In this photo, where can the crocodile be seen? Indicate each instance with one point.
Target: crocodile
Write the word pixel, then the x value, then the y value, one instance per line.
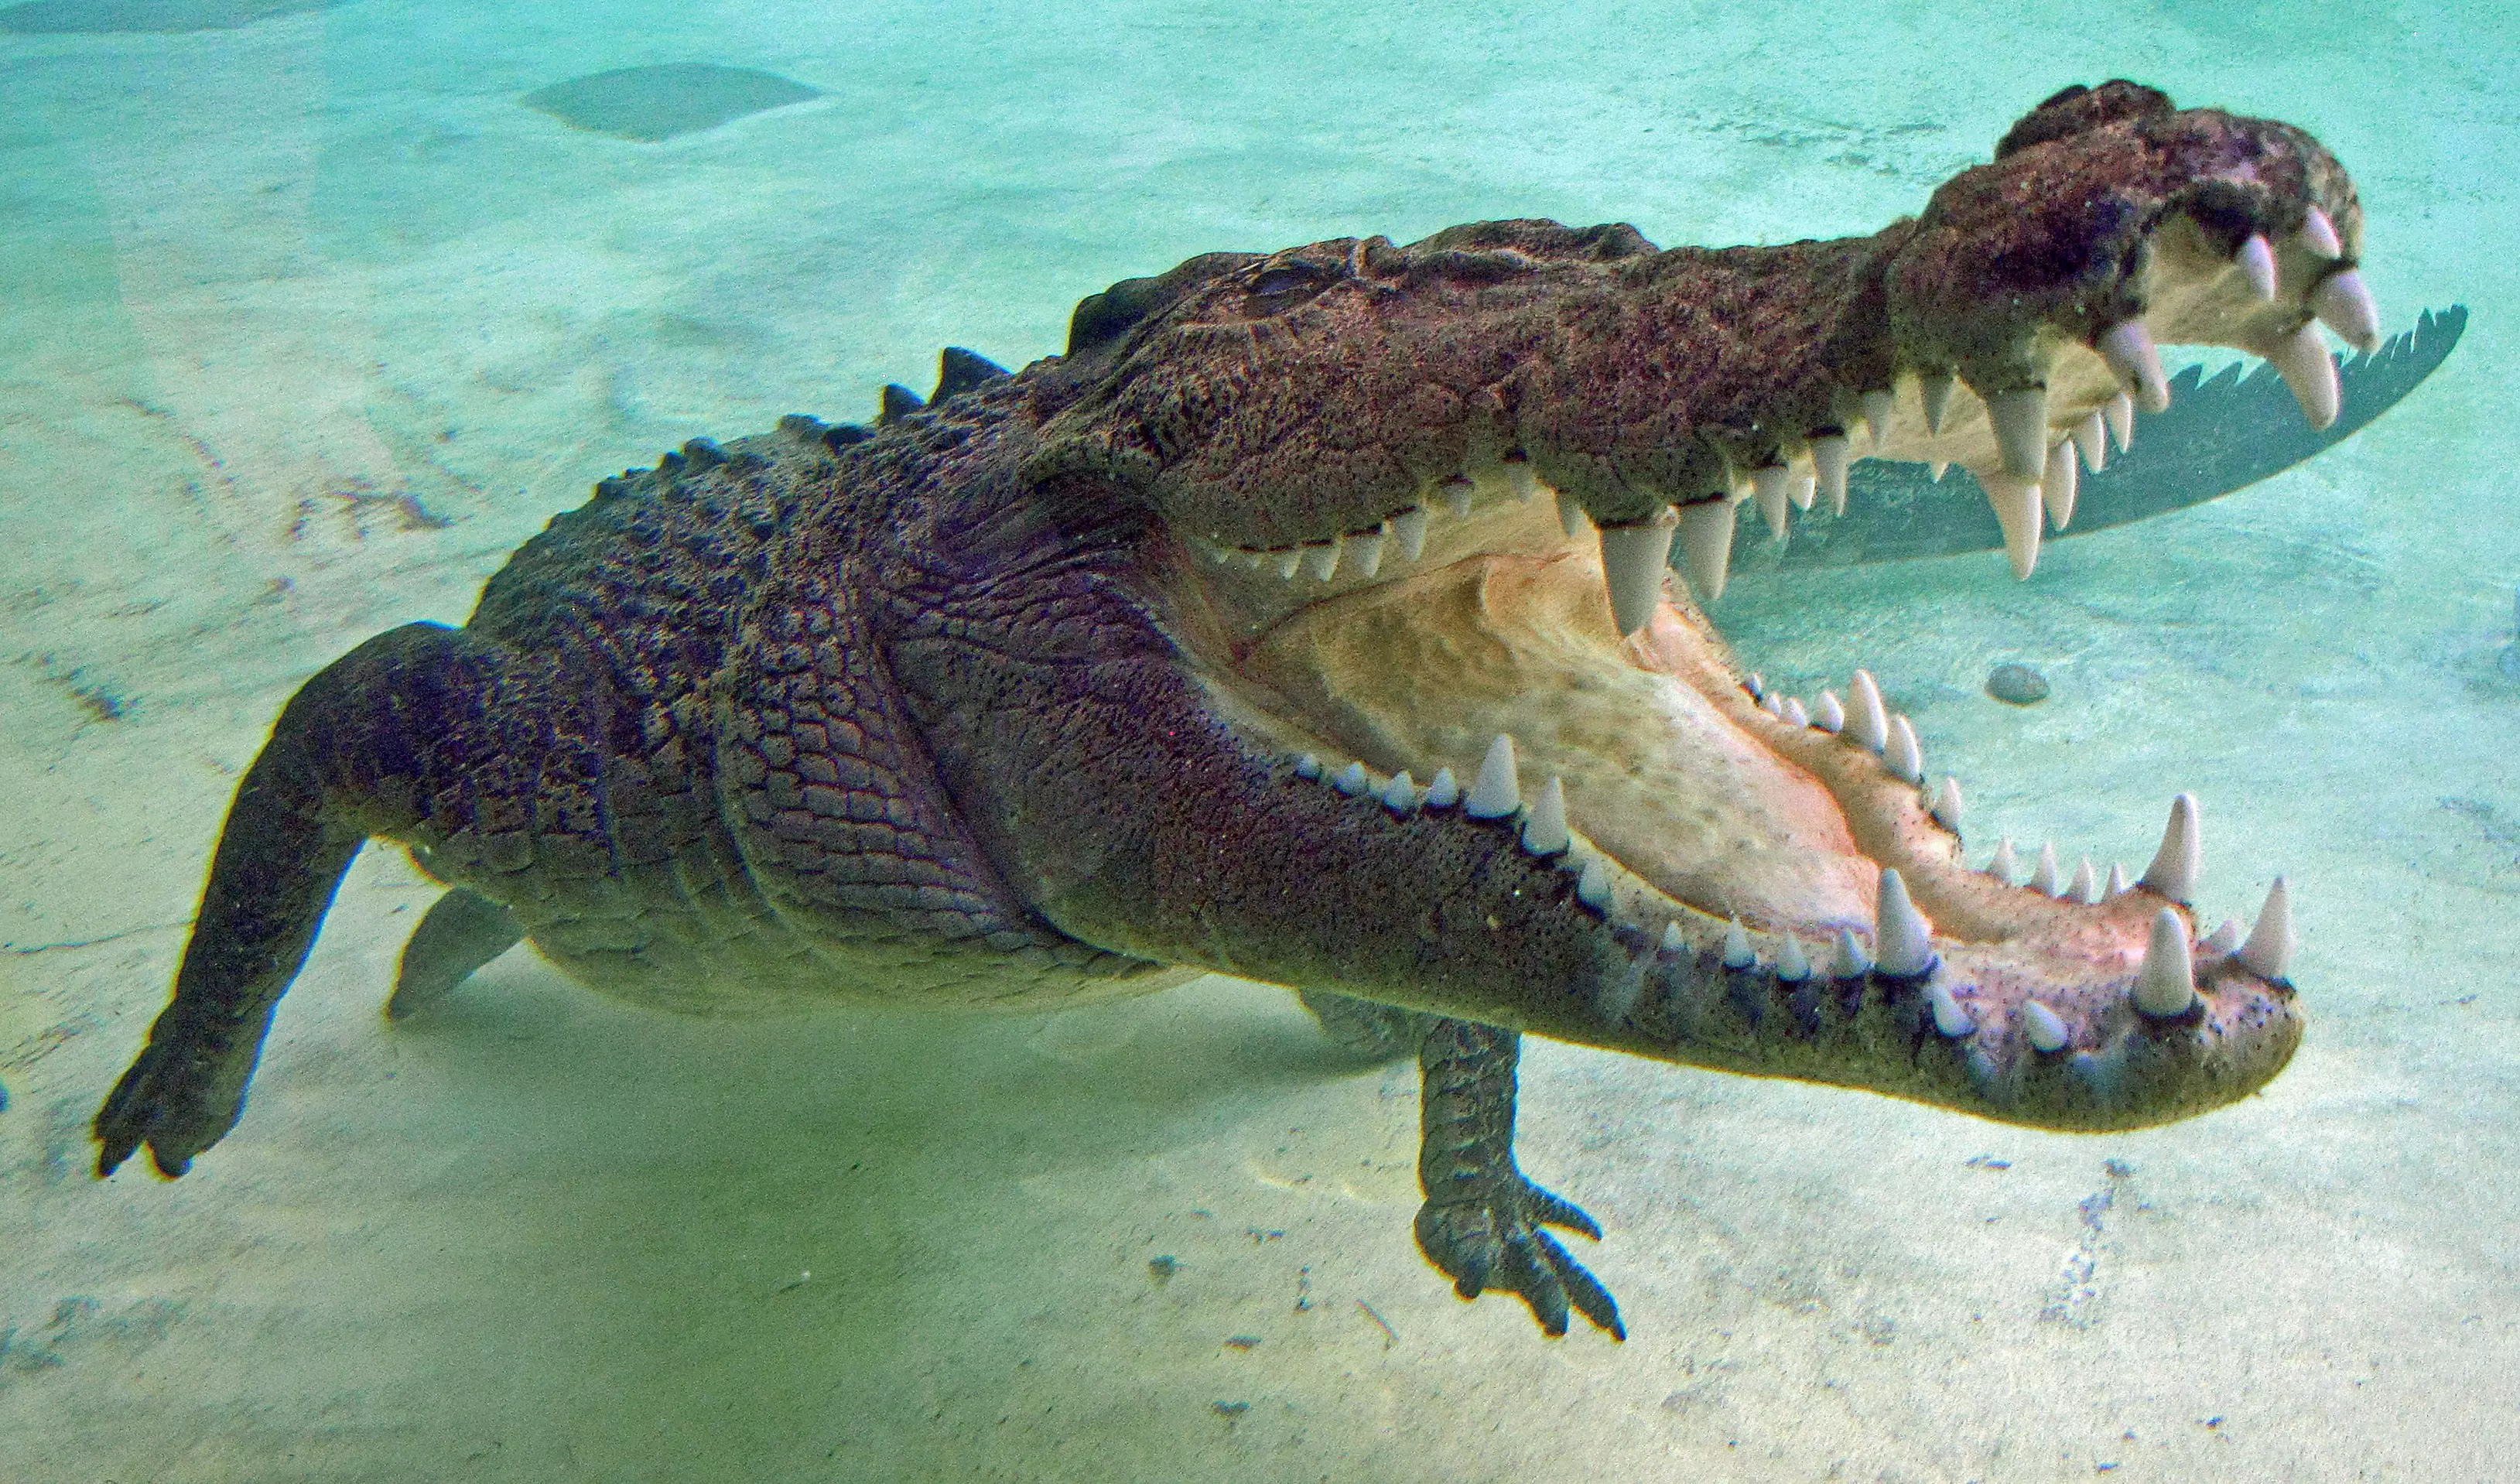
pixel 1080 681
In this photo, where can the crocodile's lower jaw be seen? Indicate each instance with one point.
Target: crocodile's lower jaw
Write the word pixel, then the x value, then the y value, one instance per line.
pixel 1701 820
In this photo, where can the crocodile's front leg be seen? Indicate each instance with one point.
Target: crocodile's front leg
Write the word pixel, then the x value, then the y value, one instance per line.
pixel 1483 1221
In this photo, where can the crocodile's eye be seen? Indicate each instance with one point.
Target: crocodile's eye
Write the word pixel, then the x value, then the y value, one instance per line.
pixel 1283 288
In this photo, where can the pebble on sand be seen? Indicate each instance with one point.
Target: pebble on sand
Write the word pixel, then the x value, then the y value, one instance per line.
pixel 2017 684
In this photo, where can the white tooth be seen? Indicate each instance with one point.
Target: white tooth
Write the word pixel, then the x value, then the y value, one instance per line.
pixel 1672 941
pixel 1498 789
pixel 1252 558
pixel 1399 795
pixel 2016 509
pixel 2020 420
pixel 2117 886
pixel 2064 480
pixel 1907 760
pixel 1308 766
pixel 2269 951
pixel 2120 415
pixel 1321 560
pixel 2180 859
pixel 1852 961
pixel 1827 714
pixel 1408 528
pixel 1544 832
pixel 1288 561
pixel 2343 304
pixel 1570 516
pixel 1444 792
pixel 2166 985
pixel 2318 235
pixel 1757 686
pixel 1351 780
pixel 1706 547
pixel 1867 725
pixel 1902 933
pixel 1634 559
pixel 1520 480
pixel 1938 468
pixel 1774 704
pixel 1737 947
pixel 1947 805
pixel 1934 392
pixel 2005 866
pixel 1791 966
pixel 1456 492
pixel 2086 885
pixel 2222 940
pixel 1830 455
pixel 2301 358
pixel 1949 1016
pixel 2042 876
pixel 1794 712
pixel 1592 887
pixel 1802 490
pixel 1363 556
pixel 2092 441
pixel 1770 487
pixel 1878 407
pixel 2136 361
pixel 2040 1027
pixel 2256 259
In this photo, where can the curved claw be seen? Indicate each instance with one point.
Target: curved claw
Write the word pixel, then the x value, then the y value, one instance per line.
pixel 1500 1243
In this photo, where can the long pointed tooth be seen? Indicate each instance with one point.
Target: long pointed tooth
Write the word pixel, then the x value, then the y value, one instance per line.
pixel 1308 766
pixel 2181 860
pixel 1949 1018
pixel 2040 1027
pixel 1801 490
pixel 2222 939
pixel 2318 235
pixel 1938 468
pixel 2120 415
pixel 2086 885
pixel 1737 947
pixel 2020 420
pixel 1774 704
pixel 1544 832
pixel 1831 453
pixel 1791 966
pixel 2301 358
pixel 1570 516
pixel 1321 559
pixel 1520 480
pixel 1252 559
pixel 1907 760
pixel 1457 493
pixel 1795 715
pixel 2064 480
pixel 1593 885
pixel 1706 547
pixel 1408 528
pixel 1400 794
pixel 2092 441
pixel 2005 866
pixel 1827 714
pixel 1498 789
pixel 1879 407
pixel 1634 559
pixel 2118 885
pixel 1934 392
pixel 2136 361
pixel 2043 879
pixel 2166 985
pixel 2269 951
pixel 1351 780
pixel 2016 509
pixel 1867 726
pixel 2256 259
pixel 1445 791
pixel 1900 933
pixel 1672 941
pixel 2343 304
pixel 1363 555
pixel 1771 487
pixel 1288 561
pixel 1852 961
pixel 1947 805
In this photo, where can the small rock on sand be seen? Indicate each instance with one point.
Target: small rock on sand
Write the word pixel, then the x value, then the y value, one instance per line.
pixel 2017 684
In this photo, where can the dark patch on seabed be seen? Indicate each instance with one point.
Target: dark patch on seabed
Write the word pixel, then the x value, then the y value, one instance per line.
pixel 104 17
pixel 648 104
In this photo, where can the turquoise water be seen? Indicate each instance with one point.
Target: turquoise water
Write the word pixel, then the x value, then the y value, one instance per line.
pixel 306 322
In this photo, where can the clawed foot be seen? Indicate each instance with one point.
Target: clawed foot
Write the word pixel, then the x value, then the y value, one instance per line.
pixel 174 1103
pixel 1498 1241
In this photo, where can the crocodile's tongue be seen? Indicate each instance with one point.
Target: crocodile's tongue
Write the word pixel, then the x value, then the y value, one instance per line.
pixel 1653 736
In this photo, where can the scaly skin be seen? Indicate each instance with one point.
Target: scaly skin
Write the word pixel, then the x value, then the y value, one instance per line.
pixel 1008 702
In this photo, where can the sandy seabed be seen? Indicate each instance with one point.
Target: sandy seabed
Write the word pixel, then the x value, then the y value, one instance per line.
pixel 305 323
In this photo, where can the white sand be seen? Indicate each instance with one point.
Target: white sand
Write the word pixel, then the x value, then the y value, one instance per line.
pixel 247 275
